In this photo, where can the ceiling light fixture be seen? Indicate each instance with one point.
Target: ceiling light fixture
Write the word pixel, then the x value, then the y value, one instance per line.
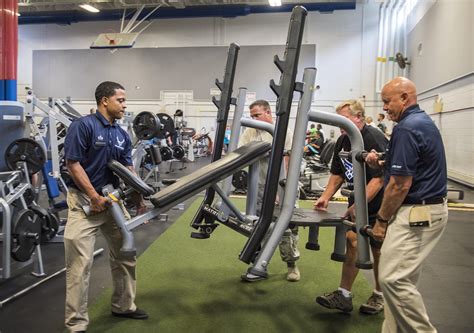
pixel 274 3
pixel 89 8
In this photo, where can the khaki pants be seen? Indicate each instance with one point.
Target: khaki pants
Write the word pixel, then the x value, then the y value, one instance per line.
pixel 403 252
pixel 79 240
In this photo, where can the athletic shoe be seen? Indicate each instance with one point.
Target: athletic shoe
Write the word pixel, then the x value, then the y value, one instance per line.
pixel 137 314
pixel 293 274
pixel 374 305
pixel 335 300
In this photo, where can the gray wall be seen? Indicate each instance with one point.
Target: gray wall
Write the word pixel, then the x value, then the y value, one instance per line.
pixel 443 73
pixel 446 33
pixel 76 73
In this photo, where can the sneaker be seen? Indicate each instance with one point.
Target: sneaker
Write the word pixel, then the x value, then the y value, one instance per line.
pixel 248 277
pixel 374 305
pixel 335 300
pixel 293 274
pixel 137 314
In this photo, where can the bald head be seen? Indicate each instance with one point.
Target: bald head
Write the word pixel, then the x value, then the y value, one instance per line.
pixel 397 96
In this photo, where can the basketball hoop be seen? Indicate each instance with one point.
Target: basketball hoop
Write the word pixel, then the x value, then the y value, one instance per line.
pixel 112 40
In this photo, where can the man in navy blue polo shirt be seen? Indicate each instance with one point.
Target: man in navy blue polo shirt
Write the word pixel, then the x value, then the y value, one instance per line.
pixel 91 142
pixel 414 212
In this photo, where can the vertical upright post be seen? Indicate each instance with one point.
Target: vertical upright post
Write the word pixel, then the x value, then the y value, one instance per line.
pixel 284 90
pixel 8 49
pixel 234 140
pixel 223 105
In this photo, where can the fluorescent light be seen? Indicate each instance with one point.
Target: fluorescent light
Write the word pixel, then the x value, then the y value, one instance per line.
pixel 274 3
pixel 89 8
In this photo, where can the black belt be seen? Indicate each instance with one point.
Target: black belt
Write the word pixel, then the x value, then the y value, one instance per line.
pixel 429 201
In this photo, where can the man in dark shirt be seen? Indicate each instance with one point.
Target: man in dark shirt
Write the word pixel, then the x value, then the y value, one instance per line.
pixel 414 211
pixel 342 171
pixel 91 142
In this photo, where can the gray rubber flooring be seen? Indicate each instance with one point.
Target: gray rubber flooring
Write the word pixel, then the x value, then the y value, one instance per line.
pixel 447 282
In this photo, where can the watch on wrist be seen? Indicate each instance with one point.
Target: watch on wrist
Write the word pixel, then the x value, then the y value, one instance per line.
pixel 380 219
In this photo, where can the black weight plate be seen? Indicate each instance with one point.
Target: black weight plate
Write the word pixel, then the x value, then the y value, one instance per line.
pixel 167 125
pixel 146 125
pixel 239 180
pixel 25 235
pixel 54 225
pixel 48 231
pixel 166 153
pixel 29 196
pixel 25 150
pixel 178 152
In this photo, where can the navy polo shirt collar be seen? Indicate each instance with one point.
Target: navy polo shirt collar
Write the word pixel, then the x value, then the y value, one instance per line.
pixel 104 121
pixel 410 110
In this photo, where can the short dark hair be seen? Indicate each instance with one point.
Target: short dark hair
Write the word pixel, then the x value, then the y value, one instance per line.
pixel 312 126
pixel 106 89
pixel 382 115
pixel 260 102
pixel 319 126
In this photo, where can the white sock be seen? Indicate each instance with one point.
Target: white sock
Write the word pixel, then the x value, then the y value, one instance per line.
pixel 345 292
pixel 378 293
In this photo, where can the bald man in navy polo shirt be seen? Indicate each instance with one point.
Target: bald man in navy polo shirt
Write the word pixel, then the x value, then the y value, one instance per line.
pixel 91 142
pixel 414 211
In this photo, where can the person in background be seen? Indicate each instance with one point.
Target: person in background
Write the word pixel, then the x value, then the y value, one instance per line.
pixel 414 211
pixel 321 132
pixel 260 110
pixel 369 121
pixel 342 171
pixel 381 124
pixel 227 138
pixel 314 145
pixel 91 142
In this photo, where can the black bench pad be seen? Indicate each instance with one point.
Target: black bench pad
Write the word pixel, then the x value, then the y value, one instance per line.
pixel 210 174
pixel 130 178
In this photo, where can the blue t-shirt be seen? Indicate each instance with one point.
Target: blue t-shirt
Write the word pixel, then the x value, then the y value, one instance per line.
pixel 93 141
pixel 416 149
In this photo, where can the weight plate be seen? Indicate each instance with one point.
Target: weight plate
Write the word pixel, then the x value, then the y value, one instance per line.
pixel 25 235
pixel 167 125
pixel 239 180
pixel 29 196
pixel 146 125
pixel 28 151
pixel 166 153
pixel 178 152
pixel 49 227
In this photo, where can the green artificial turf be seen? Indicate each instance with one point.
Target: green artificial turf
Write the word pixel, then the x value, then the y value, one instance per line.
pixel 190 285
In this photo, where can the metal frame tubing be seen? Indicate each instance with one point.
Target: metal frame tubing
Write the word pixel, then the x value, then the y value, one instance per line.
pixel 6 240
pixel 284 92
pixel 254 169
pixel 223 106
pixel 357 146
pixel 291 187
pixel 234 141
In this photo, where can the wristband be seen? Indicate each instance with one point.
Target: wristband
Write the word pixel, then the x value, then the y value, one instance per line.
pixel 380 219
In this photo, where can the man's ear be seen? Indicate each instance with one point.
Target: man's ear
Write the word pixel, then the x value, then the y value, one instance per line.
pixel 104 100
pixel 404 97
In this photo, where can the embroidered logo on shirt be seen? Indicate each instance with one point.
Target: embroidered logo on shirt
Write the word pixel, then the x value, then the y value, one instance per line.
pixel 119 143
